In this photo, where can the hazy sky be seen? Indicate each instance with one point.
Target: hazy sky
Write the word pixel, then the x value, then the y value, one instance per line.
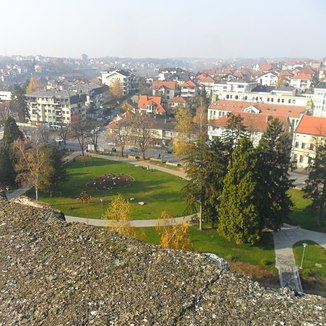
pixel 166 28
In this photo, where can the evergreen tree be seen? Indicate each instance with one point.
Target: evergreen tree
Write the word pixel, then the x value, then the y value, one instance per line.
pixel 58 171
pixel 315 187
pixel 239 219
pixel 7 159
pixel 274 162
pixel 205 165
pixel 234 131
pixel 18 102
pixel 11 132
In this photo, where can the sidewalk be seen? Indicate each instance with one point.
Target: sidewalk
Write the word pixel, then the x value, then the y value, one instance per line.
pixel 284 241
pixel 144 164
pixel 134 223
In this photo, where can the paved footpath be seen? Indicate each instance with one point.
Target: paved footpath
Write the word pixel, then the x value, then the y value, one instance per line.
pixel 284 241
pixel 134 223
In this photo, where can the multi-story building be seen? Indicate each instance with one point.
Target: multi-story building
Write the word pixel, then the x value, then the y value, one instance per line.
pixel 221 108
pixel 319 100
pixel 55 108
pixel 281 95
pixel 124 77
pixel 310 132
pixel 189 89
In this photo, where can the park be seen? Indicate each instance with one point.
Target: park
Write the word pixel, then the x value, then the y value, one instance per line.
pixel 160 191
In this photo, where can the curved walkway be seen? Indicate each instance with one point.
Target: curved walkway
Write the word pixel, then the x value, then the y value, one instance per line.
pixel 134 223
pixel 284 241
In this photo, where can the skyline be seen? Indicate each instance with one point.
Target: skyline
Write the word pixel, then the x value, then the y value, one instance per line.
pixel 182 29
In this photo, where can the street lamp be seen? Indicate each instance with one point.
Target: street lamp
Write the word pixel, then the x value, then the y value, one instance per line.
pixel 304 247
pixel 101 200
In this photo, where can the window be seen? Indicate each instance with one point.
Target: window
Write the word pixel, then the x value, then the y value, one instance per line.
pixel 295 157
pixel 296 144
pixel 312 147
pixel 301 159
pixel 303 145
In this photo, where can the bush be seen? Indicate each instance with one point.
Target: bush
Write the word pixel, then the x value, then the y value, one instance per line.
pixel 266 262
pixel 231 258
pixel 308 273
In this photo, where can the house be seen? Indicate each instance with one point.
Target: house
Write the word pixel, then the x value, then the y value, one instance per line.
pixel 256 125
pixel 151 105
pixel 309 133
pixel 166 89
pixel 319 100
pixel 189 89
pixel 124 77
pixel 5 95
pixel 221 108
pixel 161 128
pixel 177 102
pixel 56 107
pixel 267 79
pixel 263 67
pixel 302 81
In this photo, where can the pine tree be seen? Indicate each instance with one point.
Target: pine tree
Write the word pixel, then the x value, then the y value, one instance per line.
pixel 234 131
pixel 205 165
pixel 274 162
pixel 239 219
pixel 18 103
pixel 315 187
pixel 7 159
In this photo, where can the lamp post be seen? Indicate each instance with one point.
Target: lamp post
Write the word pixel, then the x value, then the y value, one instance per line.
pixel 101 200
pixel 304 248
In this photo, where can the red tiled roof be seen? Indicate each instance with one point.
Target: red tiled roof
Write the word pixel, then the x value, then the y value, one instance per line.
pixel 253 122
pixel 312 126
pixel 279 110
pixel 177 99
pixel 265 67
pixel 205 79
pixel 302 76
pixel 144 101
pixel 157 84
pixel 211 72
pixel 189 83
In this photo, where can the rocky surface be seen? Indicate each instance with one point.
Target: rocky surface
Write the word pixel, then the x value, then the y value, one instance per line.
pixel 58 273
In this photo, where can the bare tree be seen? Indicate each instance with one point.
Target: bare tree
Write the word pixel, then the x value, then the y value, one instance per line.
pixel 81 130
pixel 142 133
pixel 64 131
pixel 124 131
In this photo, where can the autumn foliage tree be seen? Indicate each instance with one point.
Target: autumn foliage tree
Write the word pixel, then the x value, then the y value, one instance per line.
pixel 33 166
pixel 183 130
pixel 116 89
pixel 119 212
pixel 32 85
pixel 173 235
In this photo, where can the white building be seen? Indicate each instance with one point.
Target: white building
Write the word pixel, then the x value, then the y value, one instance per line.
pixel 122 76
pixel 55 107
pixel 267 79
pixel 5 96
pixel 310 132
pixel 319 100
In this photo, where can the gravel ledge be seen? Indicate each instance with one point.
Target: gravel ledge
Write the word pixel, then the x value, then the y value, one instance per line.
pixel 58 273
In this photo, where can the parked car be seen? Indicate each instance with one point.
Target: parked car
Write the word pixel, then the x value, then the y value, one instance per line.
pixel 133 149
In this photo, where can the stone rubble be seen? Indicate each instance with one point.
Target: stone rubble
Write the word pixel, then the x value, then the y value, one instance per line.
pixel 58 273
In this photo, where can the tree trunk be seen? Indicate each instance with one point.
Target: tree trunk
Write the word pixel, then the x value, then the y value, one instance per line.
pixel 36 193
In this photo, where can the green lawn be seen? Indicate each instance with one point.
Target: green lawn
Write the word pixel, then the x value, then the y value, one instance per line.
pixel 302 215
pixel 314 262
pixel 209 240
pixel 160 191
